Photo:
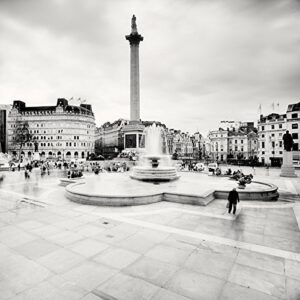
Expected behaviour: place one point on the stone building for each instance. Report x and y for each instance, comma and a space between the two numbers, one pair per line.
110, 138
232, 143
293, 125
4, 110
218, 140
62, 131
182, 144
198, 145
271, 129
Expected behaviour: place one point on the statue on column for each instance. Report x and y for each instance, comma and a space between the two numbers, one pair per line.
133, 24
288, 141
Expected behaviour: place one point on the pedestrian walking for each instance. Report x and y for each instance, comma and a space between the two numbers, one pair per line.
233, 199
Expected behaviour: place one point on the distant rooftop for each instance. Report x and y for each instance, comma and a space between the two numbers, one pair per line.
294, 107
61, 102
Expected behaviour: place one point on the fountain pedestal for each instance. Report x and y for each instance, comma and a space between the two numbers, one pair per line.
154, 170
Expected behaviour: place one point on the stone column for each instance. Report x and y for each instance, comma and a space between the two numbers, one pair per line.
134, 83
134, 39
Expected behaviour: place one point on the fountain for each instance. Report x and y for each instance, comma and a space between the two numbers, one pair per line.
155, 163
4, 161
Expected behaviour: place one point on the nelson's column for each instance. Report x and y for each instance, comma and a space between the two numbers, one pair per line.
134, 130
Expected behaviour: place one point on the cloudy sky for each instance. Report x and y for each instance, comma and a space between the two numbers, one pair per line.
200, 62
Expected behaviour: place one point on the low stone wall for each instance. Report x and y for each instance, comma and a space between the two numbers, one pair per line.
67, 181
103, 200
270, 194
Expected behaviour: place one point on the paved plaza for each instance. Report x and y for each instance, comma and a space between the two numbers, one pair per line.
52, 248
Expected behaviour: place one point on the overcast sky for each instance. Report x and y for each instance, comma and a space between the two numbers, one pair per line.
200, 62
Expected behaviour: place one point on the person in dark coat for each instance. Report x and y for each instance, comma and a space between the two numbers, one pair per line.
233, 199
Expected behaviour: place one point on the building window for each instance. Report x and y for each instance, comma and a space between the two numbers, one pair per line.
273, 134
280, 152
263, 152
273, 152
273, 126
280, 126
235, 141
263, 144
280, 143
262, 135
294, 116
295, 126
273, 144
296, 147
295, 136
262, 127
242, 141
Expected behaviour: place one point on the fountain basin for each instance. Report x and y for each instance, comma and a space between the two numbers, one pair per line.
118, 189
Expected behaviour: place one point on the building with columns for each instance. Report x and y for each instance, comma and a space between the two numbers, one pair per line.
109, 140
4, 110
233, 143
271, 129
62, 131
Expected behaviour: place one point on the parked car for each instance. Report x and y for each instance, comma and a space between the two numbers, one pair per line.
212, 167
199, 167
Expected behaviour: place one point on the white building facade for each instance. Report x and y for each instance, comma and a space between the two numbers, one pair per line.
61, 132
232, 143
271, 129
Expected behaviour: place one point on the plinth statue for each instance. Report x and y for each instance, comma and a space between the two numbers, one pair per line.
287, 168
288, 141
36, 146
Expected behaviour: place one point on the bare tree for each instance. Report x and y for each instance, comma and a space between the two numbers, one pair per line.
21, 135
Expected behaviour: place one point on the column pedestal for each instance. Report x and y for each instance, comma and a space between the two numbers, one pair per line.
287, 168
133, 133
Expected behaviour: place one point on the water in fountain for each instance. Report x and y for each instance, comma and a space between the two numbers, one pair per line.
155, 163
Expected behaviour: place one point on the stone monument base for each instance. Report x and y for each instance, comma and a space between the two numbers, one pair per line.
287, 168
36, 156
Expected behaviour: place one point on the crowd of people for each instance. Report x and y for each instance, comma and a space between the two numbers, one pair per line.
111, 167
131, 155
